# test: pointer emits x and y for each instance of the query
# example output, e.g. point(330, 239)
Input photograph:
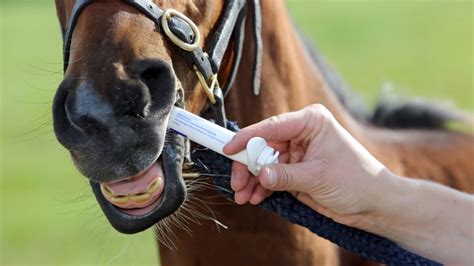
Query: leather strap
point(238, 35)
point(258, 46)
point(76, 11)
point(147, 7)
point(230, 20)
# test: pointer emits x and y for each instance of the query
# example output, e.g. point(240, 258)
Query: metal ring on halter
point(183, 45)
point(209, 90)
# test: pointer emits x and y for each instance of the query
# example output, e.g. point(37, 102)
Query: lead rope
point(362, 243)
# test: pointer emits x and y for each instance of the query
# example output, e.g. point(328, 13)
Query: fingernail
point(235, 197)
point(233, 179)
point(271, 177)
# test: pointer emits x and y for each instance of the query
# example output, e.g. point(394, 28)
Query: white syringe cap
point(259, 154)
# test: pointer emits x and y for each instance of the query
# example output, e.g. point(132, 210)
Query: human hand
point(320, 163)
point(324, 167)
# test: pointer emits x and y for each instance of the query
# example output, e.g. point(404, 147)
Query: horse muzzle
point(116, 133)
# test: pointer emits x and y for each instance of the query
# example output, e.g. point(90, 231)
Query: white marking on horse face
point(90, 103)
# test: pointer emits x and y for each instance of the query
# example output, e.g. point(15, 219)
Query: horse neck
point(290, 80)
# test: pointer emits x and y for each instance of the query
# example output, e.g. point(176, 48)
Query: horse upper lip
point(130, 178)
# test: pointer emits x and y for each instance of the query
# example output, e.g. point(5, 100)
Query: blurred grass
point(419, 48)
point(49, 215)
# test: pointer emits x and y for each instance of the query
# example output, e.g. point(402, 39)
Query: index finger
point(283, 127)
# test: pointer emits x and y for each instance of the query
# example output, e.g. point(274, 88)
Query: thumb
point(290, 177)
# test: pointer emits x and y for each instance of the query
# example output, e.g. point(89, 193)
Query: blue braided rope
point(362, 243)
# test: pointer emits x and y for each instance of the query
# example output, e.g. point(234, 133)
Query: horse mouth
point(139, 194)
point(136, 203)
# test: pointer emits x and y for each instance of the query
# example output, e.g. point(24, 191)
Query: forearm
point(426, 218)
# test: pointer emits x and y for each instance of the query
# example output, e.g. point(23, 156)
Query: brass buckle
point(208, 89)
point(183, 45)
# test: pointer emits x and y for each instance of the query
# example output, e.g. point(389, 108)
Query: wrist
point(402, 215)
point(424, 217)
point(393, 210)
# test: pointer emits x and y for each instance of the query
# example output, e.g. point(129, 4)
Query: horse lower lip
point(143, 210)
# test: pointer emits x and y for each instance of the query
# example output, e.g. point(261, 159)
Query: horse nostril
point(151, 76)
point(65, 130)
point(158, 78)
point(131, 100)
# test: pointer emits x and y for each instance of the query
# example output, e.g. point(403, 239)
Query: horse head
point(122, 77)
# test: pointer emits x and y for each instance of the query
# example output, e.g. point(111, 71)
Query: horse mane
point(390, 111)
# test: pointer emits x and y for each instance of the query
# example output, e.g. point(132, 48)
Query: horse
point(124, 76)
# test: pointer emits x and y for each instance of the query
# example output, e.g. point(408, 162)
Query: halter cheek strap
point(76, 11)
point(182, 32)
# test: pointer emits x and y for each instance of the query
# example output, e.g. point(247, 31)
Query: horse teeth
point(155, 185)
point(119, 199)
point(140, 197)
point(106, 191)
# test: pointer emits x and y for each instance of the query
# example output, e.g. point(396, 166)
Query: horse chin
point(130, 221)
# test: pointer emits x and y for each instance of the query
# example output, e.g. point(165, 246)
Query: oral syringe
point(256, 155)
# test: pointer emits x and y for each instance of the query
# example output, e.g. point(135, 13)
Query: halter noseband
point(183, 33)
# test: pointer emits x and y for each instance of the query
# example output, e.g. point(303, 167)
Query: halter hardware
point(208, 89)
point(183, 44)
point(190, 47)
point(175, 39)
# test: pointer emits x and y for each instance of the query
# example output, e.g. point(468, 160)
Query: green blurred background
point(48, 214)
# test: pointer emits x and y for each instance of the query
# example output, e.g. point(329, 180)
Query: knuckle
point(273, 124)
point(317, 106)
point(321, 110)
point(274, 119)
point(326, 114)
point(320, 113)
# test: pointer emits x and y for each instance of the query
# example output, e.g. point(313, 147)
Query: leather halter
point(184, 34)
